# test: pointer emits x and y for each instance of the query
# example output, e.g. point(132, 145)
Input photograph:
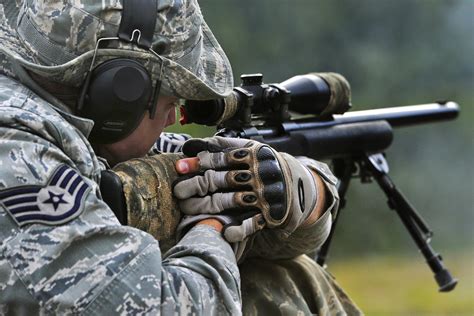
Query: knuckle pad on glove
point(241, 178)
point(274, 190)
point(246, 199)
point(239, 157)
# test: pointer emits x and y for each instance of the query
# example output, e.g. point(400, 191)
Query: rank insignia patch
point(58, 202)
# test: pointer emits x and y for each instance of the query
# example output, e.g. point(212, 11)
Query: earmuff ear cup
point(116, 97)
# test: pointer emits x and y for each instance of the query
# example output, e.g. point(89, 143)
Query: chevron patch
point(58, 202)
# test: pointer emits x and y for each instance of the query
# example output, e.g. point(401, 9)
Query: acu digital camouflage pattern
point(297, 286)
point(92, 264)
point(56, 39)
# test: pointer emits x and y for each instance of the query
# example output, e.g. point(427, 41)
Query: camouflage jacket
point(62, 251)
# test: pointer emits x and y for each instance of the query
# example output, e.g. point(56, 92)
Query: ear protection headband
point(117, 93)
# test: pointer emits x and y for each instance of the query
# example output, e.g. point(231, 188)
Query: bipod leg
point(413, 222)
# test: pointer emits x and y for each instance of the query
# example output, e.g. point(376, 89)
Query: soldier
point(62, 250)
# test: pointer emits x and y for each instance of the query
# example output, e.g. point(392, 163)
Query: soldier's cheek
point(171, 119)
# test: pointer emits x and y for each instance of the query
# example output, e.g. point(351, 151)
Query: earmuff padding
point(116, 98)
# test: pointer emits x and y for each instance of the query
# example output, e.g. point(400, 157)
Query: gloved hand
point(235, 230)
point(248, 183)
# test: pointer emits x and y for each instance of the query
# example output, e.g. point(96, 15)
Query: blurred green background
point(393, 53)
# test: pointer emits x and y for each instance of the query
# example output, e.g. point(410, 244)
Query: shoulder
point(59, 240)
point(32, 128)
point(47, 167)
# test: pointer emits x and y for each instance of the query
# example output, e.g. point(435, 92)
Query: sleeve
point(62, 243)
point(169, 143)
point(304, 240)
point(149, 202)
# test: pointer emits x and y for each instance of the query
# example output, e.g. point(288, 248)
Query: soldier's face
point(139, 142)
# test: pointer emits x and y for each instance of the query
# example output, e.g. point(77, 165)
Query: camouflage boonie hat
point(56, 39)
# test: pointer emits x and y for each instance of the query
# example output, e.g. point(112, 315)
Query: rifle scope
point(319, 94)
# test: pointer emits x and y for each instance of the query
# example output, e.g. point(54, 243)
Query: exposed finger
point(217, 225)
point(187, 165)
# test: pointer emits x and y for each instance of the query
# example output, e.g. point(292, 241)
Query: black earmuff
point(116, 96)
point(117, 93)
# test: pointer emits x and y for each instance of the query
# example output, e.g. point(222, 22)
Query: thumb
point(237, 233)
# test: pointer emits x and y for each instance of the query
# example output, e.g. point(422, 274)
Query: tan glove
point(147, 186)
point(250, 179)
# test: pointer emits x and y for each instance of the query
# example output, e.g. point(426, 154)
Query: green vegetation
point(392, 285)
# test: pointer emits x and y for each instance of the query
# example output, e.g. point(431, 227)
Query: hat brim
point(208, 77)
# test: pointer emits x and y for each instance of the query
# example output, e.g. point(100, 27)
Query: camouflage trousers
point(296, 286)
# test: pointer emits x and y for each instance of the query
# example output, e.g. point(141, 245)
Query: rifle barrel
point(348, 134)
point(395, 116)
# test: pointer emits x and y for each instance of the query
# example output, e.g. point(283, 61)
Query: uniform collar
point(17, 72)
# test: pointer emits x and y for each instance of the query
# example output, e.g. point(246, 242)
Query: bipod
point(375, 166)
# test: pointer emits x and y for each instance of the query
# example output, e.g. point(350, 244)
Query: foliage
point(403, 285)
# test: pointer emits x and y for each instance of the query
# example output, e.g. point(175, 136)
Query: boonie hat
point(57, 39)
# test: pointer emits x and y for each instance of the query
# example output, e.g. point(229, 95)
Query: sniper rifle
point(307, 116)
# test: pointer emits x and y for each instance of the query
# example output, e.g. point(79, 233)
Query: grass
point(405, 286)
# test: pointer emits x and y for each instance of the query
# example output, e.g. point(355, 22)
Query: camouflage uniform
point(62, 250)
point(74, 256)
